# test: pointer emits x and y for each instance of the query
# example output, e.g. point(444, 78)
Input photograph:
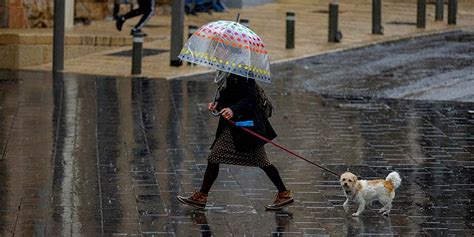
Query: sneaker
point(281, 200)
point(138, 33)
point(197, 200)
point(119, 22)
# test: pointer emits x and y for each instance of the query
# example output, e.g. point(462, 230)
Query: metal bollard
point(191, 30)
point(177, 32)
point(421, 14)
point(137, 53)
point(377, 27)
point(439, 10)
point(244, 22)
point(334, 34)
point(290, 30)
point(58, 35)
point(452, 11)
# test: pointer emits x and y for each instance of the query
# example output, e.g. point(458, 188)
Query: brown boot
point(281, 200)
point(198, 199)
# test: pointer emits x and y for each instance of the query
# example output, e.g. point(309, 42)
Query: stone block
point(73, 40)
point(128, 41)
point(88, 40)
point(28, 55)
point(9, 39)
point(117, 41)
point(7, 56)
point(47, 53)
point(102, 41)
point(35, 39)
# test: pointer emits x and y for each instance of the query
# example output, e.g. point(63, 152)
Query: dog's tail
point(395, 178)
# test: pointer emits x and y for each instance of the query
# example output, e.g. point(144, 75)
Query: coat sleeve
point(248, 103)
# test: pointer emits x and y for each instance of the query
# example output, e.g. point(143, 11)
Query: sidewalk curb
point(349, 47)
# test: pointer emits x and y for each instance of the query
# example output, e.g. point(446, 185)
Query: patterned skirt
point(224, 152)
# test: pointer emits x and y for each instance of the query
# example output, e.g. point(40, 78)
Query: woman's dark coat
point(240, 95)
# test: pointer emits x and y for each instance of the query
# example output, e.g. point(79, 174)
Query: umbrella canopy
point(230, 47)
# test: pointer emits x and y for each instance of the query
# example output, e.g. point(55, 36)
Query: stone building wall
point(37, 13)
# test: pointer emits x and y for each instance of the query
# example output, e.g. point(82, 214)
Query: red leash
point(282, 147)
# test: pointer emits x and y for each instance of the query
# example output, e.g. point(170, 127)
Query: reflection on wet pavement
point(84, 155)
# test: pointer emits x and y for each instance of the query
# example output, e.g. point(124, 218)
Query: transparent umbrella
point(229, 47)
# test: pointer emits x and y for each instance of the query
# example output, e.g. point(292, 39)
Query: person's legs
point(133, 13)
point(283, 197)
point(274, 176)
point(199, 199)
point(210, 176)
point(148, 7)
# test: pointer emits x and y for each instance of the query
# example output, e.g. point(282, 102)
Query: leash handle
point(283, 148)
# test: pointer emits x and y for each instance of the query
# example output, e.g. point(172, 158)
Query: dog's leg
point(387, 205)
point(346, 205)
point(387, 208)
point(361, 207)
point(384, 203)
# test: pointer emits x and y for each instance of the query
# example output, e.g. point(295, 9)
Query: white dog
point(365, 191)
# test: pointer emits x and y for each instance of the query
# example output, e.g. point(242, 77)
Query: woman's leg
point(284, 197)
point(274, 176)
point(212, 170)
point(199, 199)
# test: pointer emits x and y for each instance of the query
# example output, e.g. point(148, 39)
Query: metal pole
point(191, 30)
point(244, 22)
point(377, 17)
point(334, 34)
point(439, 10)
point(177, 32)
point(137, 54)
point(58, 35)
point(290, 30)
point(452, 11)
point(421, 14)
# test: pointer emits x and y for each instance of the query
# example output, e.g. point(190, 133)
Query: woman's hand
point(227, 113)
point(212, 106)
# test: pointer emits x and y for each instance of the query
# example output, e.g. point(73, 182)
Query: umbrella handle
point(215, 113)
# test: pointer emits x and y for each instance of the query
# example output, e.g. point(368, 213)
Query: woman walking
point(238, 102)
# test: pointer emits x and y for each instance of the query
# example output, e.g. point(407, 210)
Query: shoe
point(197, 200)
point(281, 200)
point(138, 33)
point(119, 22)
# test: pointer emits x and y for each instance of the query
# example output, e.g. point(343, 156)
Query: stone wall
point(38, 13)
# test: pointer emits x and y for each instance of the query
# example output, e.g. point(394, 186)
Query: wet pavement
point(85, 155)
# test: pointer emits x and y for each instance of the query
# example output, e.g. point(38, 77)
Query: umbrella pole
point(238, 18)
point(221, 83)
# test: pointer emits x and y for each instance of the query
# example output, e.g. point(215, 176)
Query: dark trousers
point(145, 8)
